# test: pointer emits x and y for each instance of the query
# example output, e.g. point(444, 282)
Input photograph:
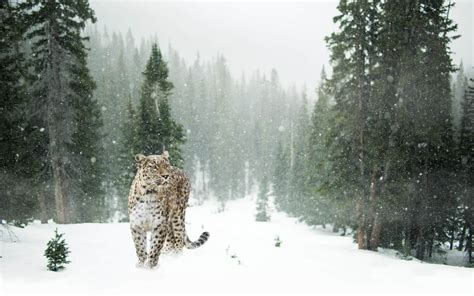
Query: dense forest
point(384, 153)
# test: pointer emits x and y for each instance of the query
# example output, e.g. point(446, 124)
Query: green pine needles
point(57, 252)
point(277, 241)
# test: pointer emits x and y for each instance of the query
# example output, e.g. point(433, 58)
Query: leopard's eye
point(166, 176)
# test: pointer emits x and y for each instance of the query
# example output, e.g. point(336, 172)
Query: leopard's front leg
point(139, 238)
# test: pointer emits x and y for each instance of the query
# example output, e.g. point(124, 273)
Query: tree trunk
point(60, 195)
point(376, 231)
point(360, 204)
point(461, 237)
point(420, 244)
point(430, 250)
point(361, 240)
point(57, 108)
point(451, 236)
point(407, 244)
point(372, 204)
point(469, 243)
point(42, 206)
point(375, 218)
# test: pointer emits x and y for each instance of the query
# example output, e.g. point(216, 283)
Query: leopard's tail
point(196, 244)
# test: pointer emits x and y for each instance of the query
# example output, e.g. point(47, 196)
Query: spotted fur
point(157, 205)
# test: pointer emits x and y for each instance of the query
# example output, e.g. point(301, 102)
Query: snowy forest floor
point(240, 257)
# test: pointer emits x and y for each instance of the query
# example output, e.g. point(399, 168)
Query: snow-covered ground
point(240, 257)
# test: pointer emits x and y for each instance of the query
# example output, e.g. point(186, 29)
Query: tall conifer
point(59, 56)
point(156, 127)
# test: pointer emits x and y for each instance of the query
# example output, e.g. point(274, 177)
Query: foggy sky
point(287, 36)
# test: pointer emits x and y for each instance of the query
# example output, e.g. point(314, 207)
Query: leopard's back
point(179, 195)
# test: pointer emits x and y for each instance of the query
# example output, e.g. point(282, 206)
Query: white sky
point(287, 36)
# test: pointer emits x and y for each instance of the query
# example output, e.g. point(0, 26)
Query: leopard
point(157, 204)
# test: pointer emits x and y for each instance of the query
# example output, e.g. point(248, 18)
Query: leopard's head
point(155, 167)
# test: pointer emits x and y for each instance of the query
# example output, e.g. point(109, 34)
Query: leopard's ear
point(166, 155)
point(139, 157)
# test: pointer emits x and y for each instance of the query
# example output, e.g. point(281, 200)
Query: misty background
point(288, 36)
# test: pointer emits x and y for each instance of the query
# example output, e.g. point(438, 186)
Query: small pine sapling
point(57, 252)
point(277, 241)
point(405, 254)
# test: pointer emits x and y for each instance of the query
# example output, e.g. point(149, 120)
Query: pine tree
point(420, 146)
point(58, 56)
point(351, 54)
point(324, 207)
point(297, 191)
point(262, 202)
point(156, 127)
point(221, 164)
point(22, 138)
point(281, 178)
point(89, 201)
point(466, 159)
point(277, 242)
point(57, 252)
point(12, 86)
point(129, 148)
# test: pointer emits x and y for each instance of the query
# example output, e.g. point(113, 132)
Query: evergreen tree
point(351, 54)
point(117, 77)
point(297, 191)
point(262, 202)
point(277, 242)
point(57, 252)
point(156, 127)
point(89, 201)
point(129, 148)
point(222, 164)
point(419, 149)
point(324, 207)
point(19, 133)
point(58, 56)
point(466, 176)
point(281, 178)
